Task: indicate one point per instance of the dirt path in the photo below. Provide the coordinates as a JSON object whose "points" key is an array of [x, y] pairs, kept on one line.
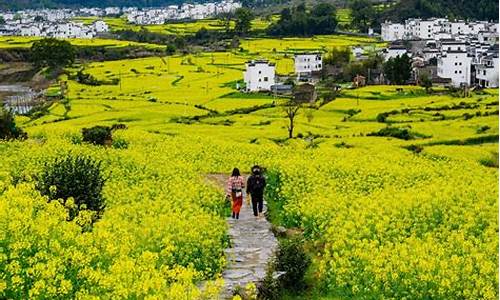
{"points": [[252, 246]]}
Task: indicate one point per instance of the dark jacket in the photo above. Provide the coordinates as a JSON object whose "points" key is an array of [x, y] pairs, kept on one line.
{"points": [[256, 185]]}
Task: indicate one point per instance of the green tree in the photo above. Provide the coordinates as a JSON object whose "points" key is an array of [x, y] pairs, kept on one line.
{"points": [[338, 56], [8, 127], [51, 52], [363, 14], [97, 135], [170, 49], [2, 20], [243, 21], [398, 69], [425, 81], [79, 177], [299, 22]]}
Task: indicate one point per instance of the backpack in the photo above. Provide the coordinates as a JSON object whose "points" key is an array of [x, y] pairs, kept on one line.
{"points": [[258, 184]]}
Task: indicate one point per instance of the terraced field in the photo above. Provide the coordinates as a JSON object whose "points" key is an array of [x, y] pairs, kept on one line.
{"points": [[394, 191]]}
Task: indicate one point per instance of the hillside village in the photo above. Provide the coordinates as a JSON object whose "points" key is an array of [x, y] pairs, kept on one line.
{"points": [[455, 52], [58, 23], [151, 16]]}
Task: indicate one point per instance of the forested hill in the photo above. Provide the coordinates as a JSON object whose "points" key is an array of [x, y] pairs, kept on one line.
{"points": [[460, 9], [464, 9], [21, 4]]}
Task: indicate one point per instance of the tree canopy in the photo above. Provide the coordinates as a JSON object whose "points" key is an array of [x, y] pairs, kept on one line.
{"points": [[475, 10], [243, 20], [398, 69], [363, 15], [298, 21], [51, 52]]}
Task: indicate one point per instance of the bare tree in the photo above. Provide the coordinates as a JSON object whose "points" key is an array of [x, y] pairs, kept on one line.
{"points": [[291, 109]]}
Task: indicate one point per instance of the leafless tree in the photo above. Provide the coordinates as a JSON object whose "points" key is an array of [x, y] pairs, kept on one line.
{"points": [[291, 109]]}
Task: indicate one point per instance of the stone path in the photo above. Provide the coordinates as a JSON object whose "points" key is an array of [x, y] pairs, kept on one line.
{"points": [[252, 246]]}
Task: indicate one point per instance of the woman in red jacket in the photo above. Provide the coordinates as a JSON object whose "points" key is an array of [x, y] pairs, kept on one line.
{"points": [[235, 186]]}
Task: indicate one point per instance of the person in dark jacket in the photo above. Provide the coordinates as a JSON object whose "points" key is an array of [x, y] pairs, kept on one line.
{"points": [[256, 184]]}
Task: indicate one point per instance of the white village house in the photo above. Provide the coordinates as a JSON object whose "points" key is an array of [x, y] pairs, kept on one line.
{"points": [[393, 51], [307, 63], [259, 75], [434, 28], [455, 65], [487, 69]]}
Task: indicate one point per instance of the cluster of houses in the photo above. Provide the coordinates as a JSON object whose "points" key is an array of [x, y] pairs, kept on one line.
{"points": [[149, 16], [260, 75], [458, 53], [58, 22], [53, 23], [57, 29]]}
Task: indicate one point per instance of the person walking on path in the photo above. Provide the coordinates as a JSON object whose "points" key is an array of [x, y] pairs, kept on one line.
{"points": [[234, 190], [255, 187]]}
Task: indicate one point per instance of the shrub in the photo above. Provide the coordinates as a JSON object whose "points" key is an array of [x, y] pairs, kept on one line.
{"points": [[483, 129], [97, 135], [120, 143], [414, 148], [88, 79], [382, 117], [491, 162], [399, 133], [292, 259], [269, 288], [8, 127], [118, 126], [78, 177]]}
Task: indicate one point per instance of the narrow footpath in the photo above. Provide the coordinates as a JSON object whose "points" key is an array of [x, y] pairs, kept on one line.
{"points": [[252, 246]]}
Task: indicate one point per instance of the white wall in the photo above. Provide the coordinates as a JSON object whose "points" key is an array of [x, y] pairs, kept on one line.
{"points": [[307, 63], [392, 31], [259, 76], [456, 66], [487, 73]]}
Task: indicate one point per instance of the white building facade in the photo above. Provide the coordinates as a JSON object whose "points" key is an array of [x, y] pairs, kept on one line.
{"points": [[259, 75], [455, 65], [487, 71], [307, 63], [434, 29]]}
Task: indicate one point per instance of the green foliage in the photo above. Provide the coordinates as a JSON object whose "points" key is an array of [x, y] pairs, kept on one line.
{"points": [[170, 50], [77, 177], [51, 52], [243, 19], [338, 56], [398, 69], [299, 22], [491, 162], [425, 82], [269, 288], [363, 15], [479, 10], [97, 135], [8, 127], [87, 79], [483, 129], [120, 143], [293, 260], [396, 132]]}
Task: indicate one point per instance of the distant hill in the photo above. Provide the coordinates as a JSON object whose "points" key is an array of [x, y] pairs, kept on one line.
{"points": [[460, 9], [465, 9], [21, 4]]}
